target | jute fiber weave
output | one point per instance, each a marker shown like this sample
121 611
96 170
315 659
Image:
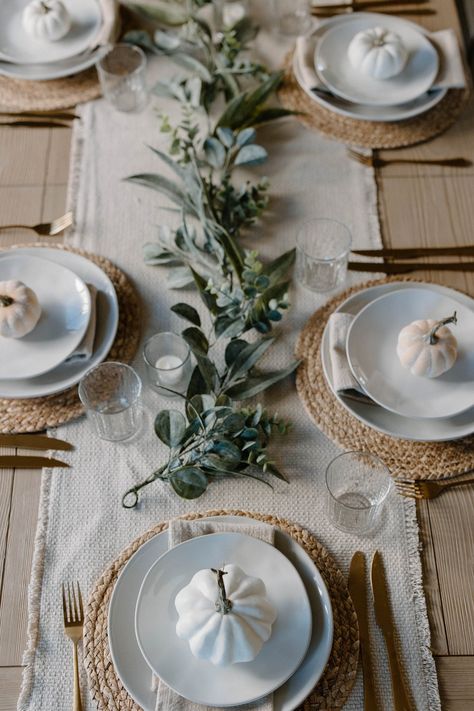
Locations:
331 691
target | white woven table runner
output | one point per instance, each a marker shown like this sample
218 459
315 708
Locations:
82 525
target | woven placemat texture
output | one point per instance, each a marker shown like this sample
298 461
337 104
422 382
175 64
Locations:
406 459
35 414
332 689
371 134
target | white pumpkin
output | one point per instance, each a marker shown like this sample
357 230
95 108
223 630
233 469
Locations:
46 19
378 53
19 309
224 622
427 347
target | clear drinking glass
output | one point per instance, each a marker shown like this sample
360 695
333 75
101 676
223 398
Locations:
110 393
168 363
293 17
322 253
122 75
357 485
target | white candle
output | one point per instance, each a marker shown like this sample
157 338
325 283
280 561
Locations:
171 369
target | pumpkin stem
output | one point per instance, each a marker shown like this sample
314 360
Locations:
431 337
223 604
6 300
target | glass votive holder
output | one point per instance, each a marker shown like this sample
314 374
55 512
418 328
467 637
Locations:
168 363
228 12
122 76
110 392
293 17
322 252
357 486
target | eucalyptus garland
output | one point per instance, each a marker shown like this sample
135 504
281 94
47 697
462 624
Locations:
215 437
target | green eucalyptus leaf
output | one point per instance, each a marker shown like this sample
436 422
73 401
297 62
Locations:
233 349
194 65
208 298
140 38
197 384
187 312
225 136
167 13
251 155
196 340
215 152
179 277
164 186
199 404
189 482
166 41
248 356
271 113
280 266
208 372
170 426
227 450
234 423
246 136
254 385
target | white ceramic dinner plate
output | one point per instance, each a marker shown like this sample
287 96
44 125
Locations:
132 668
45 72
65 312
18 46
372 353
66 375
196 679
383 420
337 72
332 102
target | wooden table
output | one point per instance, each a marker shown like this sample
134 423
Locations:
418 206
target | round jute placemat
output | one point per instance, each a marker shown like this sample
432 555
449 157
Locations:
51 95
332 689
405 458
370 134
35 414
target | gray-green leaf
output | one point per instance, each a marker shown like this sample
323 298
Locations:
215 152
170 426
253 386
187 312
251 155
189 482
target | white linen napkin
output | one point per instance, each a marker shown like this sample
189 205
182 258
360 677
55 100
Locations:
86 347
344 381
451 74
179 531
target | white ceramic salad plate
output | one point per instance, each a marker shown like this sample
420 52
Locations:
372 353
17 45
66 375
332 102
135 673
44 72
379 418
338 74
197 679
65 311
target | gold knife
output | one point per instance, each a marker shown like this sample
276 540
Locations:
31 441
366 4
413 11
394 268
384 619
357 590
416 252
18 461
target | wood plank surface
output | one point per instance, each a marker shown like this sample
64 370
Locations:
418 206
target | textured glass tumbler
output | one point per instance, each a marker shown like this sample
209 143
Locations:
357 485
168 363
110 392
293 17
122 75
322 253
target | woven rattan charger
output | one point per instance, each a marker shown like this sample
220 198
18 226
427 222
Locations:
370 134
405 458
36 414
332 689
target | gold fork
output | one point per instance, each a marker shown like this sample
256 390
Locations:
375 162
427 489
73 623
46 229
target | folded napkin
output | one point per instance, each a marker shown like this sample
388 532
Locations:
179 531
344 381
450 76
86 347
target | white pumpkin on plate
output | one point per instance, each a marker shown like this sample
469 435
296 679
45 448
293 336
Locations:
224 622
378 53
427 347
19 309
46 19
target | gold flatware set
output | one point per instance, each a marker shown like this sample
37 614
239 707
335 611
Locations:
35 119
12 461
384 618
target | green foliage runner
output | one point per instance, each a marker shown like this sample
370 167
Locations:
215 437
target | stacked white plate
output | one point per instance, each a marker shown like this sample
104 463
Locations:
142 622
40 363
25 57
406 405
341 88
